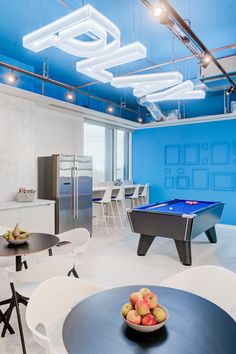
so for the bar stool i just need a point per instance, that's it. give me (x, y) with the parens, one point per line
(103, 202)
(120, 203)
(144, 193)
(134, 197)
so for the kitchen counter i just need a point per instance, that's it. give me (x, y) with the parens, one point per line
(15, 204)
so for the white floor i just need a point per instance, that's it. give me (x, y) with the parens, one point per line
(111, 260)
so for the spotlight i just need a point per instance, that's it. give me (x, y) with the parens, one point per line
(230, 90)
(70, 96)
(206, 59)
(140, 120)
(110, 109)
(158, 11)
(11, 78)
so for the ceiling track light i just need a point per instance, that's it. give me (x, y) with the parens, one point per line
(110, 109)
(176, 24)
(70, 96)
(230, 90)
(140, 120)
(11, 78)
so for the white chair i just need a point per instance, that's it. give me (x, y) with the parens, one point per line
(49, 305)
(143, 195)
(23, 283)
(73, 242)
(103, 202)
(214, 283)
(134, 197)
(120, 204)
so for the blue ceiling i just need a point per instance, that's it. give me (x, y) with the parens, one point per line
(213, 21)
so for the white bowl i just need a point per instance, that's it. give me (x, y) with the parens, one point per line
(147, 329)
(17, 242)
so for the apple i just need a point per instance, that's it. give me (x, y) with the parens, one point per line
(149, 320)
(144, 291)
(142, 307)
(134, 297)
(133, 317)
(159, 314)
(151, 299)
(126, 309)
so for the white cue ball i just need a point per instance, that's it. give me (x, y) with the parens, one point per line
(170, 208)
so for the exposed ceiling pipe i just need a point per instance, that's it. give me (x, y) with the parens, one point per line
(153, 109)
(61, 84)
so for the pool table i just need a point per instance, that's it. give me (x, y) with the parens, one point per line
(181, 220)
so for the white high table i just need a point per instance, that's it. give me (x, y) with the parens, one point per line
(127, 187)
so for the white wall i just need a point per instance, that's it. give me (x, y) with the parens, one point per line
(28, 131)
(58, 133)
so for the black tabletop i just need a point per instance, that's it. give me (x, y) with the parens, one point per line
(36, 242)
(195, 326)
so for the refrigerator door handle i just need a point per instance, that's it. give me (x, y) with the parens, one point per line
(77, 194)
(73, 191)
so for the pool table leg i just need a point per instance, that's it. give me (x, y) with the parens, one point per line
(184, 251)
(145, 242)
(211, 234)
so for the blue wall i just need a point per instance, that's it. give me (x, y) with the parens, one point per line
(195, 161)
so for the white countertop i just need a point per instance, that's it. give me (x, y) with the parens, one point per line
(127, 186)
(14, 204)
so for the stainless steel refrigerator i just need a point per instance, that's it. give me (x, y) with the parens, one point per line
(68, 181)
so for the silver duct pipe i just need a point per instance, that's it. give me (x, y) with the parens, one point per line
(153, 108)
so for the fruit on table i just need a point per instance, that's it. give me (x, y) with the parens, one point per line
(16, 234)
(126, 309)
(149, 320)
(143, 308)
(134, 317)
(144, 291)
(151, 299)
(16, 231)
(134, 297)
(159, 314)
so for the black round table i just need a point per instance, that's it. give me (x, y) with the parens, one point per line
(195, 326)
(36, 242)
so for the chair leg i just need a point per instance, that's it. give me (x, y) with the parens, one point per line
(104, 218)
(113, 214)
(118, 211)
(14, 295)
(73, 271)
(8, 326)
(7, 315)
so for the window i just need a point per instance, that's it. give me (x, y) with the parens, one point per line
(122, 155)
(110, 151)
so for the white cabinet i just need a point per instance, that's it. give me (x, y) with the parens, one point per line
(9, 217)
(37, 217)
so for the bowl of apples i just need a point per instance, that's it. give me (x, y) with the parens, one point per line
(143, 312)
(17, 236)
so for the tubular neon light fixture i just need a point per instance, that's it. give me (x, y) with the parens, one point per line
(148, 83)
(101, 53)
(72, 25)
(95, 67)
(183, 91)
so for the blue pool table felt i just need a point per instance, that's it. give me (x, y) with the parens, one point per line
(176, 207)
